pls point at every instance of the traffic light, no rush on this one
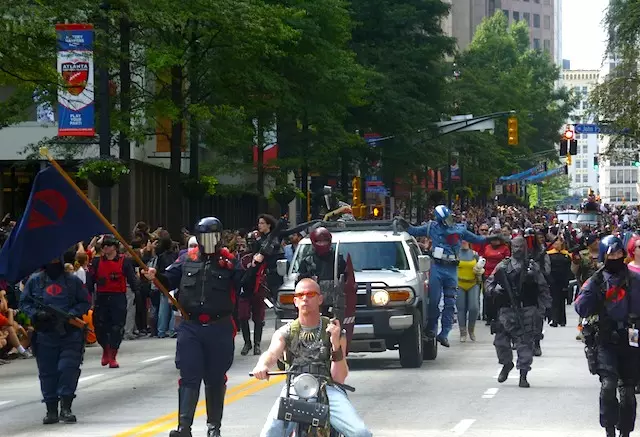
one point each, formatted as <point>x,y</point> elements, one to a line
<point>636,160</point>
<point>512,127</point>
<point>595,163</point>
<point>356,198</point>
<point>572,144</point>
<point>563,148</point>
<point>378,211</point>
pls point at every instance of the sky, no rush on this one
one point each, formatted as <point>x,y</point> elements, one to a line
<point>583,36</point>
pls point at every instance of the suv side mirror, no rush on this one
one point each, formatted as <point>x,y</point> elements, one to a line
<point>281,267</point>
<point>424,263</point>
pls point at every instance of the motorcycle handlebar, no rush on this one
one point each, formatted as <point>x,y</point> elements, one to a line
<point>285,372</point>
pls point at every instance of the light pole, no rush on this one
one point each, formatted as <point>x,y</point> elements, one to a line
<point>104,127</point>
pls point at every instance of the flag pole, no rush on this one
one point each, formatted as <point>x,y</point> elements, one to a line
<point>45,153</point>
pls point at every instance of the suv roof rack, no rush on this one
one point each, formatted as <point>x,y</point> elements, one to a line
<point>361,225</point>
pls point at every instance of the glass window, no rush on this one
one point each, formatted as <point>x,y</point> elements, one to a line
<point>516,16</point>
<point>547,2</point>
<point>585,163</point>
<point>612,177</point>
<point>577,178</point>
<point>536,21</point>
<point>547,45</point>
<point>578,163</point>
<point>627,176</point>
<point>546,22</point>
<point>620,176</point>
<point>526,17</point>
<point>383,255</point>
<point>634,176</point>
<point>536,43</point>
<point>585,149</point>
<point>585,178</point>
<point>506,13</point>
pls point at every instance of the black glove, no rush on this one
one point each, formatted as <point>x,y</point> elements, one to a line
<point>401,223</point>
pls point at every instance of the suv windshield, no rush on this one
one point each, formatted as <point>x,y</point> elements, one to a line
<point>377,255</point>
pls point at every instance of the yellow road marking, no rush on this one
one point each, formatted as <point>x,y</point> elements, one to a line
<point>168,421</point>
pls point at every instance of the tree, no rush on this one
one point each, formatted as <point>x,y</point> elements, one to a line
<point>550,192</point>
<point>498,72</point>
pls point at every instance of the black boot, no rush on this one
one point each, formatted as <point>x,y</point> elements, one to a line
<point>611,432</point>
<point>537,350</point>
<point>246,334</point>
<point>257,338</point>
<point>523,379</point>
<point>215,406</point>
<point>52,413</point>
<point>504,373</point>
<point>66,416</point>
<point>188,399</point>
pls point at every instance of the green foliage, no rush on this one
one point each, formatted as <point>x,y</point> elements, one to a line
<point>196,188</point>
<point>102,171</point>
<point>550,192</point>
<point>498,72</point>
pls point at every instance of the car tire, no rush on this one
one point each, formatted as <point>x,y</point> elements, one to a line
<point>430,348</point>
<point>411,344</point>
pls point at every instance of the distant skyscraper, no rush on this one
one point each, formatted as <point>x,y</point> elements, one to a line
<point>566,64</point>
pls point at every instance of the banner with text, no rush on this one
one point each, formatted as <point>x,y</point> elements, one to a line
<point>75,66</point>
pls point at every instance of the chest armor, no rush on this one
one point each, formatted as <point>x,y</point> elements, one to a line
<point>322,267</point>
<point>205,288</point>
<point>527,294</point>
<point>309,356</point>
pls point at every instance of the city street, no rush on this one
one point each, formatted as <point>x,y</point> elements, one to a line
<point>457,394</point>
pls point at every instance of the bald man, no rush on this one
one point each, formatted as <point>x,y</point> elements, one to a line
<point>312,343</point>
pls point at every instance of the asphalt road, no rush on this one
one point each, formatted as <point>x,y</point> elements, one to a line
<point>455,395</point>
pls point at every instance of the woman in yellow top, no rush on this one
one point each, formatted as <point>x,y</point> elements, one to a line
<point>469,274</point>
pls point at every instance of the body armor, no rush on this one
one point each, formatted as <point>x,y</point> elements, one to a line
<point>312,354</point>
<point>205,288</point>
<point>110,276</point>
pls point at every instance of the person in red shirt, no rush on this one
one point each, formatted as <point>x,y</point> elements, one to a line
<point>110,274</point>
<point>483,230</point>
<point>494,252</point>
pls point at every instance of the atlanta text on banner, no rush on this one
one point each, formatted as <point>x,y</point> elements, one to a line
<point>75,65</point>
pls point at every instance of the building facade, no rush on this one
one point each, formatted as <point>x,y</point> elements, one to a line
<point>583,174</point>
<point>543,16</point>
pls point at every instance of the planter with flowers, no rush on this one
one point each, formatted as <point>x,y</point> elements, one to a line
<point>103,171</point>
<point>197,188</point>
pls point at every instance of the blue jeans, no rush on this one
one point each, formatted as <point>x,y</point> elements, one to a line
<point>443,279</point>
<point>467,303</point>
<point>344,418</point>
<point>166,318</point>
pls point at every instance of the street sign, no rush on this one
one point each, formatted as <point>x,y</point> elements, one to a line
<point>597,129</point>
<point>377,190</point>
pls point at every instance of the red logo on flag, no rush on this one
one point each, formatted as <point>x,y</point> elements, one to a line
<point>46,203</point>
<point>75,76</point>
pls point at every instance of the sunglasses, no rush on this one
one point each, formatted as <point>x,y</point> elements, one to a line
<point>309,294</point>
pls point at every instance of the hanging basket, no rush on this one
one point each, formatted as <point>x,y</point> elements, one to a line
<point>104,172</point>
<point>197,188</point>
<point>285,194</point>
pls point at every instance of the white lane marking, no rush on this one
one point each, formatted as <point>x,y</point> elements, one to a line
<point>4,403</point>
<point>490,393</point>
<point>87,378</point>
<point>462,426</point>
<point>151,360</point>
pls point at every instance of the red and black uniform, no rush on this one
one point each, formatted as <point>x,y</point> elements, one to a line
<point>251,306</point>
<point>109,283</point>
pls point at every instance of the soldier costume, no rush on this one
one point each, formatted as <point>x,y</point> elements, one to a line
<point>585,264</point>
<point>206,278</point>
<point>519,291</point>
<point>611,301</point>
<point>539,255</point>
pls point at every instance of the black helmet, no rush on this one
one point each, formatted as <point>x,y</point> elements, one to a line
<point>209,232</point>
<point>610,244</point>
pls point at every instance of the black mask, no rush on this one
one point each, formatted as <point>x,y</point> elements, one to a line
<point>614,265</point>
<point>54,270</point>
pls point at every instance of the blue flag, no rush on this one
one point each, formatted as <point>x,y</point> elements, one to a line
<point>55,219</point>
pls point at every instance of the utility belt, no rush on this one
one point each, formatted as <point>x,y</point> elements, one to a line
<point>608,333</point>
<point>447,262</point>
<point>313,368</point>
<point>206,319</point>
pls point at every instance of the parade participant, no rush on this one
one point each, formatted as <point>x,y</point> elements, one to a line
<point>443,277</point>
<point>322,349</point>
<point>613,295</point>
<point>518,289</point>
<point>559,281</point>
<point>58,345</point>
<point>111,273</point>
<point>536,251</point>
<point>584,264</point>
<point>206,278</point>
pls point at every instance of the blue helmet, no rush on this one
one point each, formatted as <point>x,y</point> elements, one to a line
<point>610,244</point>
<point>443,215</point>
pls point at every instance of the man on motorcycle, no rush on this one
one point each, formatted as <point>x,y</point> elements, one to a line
<point>305,342</point>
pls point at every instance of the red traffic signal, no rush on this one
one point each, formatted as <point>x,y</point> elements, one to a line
<point>568,134</point>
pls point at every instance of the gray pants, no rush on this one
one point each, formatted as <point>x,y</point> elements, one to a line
<point>467,303</point>
<point>509,329</point>
<point>130,323</point>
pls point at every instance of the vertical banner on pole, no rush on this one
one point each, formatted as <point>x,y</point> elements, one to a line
<point>75,67</point>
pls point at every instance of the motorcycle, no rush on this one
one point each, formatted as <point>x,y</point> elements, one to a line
<point>307,405</point>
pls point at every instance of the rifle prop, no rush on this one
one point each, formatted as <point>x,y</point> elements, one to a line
<point>61,315</point>
<point>501,277</point>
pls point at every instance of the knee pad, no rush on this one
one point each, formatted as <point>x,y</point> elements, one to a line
<point>608,386</point>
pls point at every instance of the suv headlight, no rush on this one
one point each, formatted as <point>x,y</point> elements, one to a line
<point>306,386</point>
<point>392,297</point>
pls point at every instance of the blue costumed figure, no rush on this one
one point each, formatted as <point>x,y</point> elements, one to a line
<point>445,236</point>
